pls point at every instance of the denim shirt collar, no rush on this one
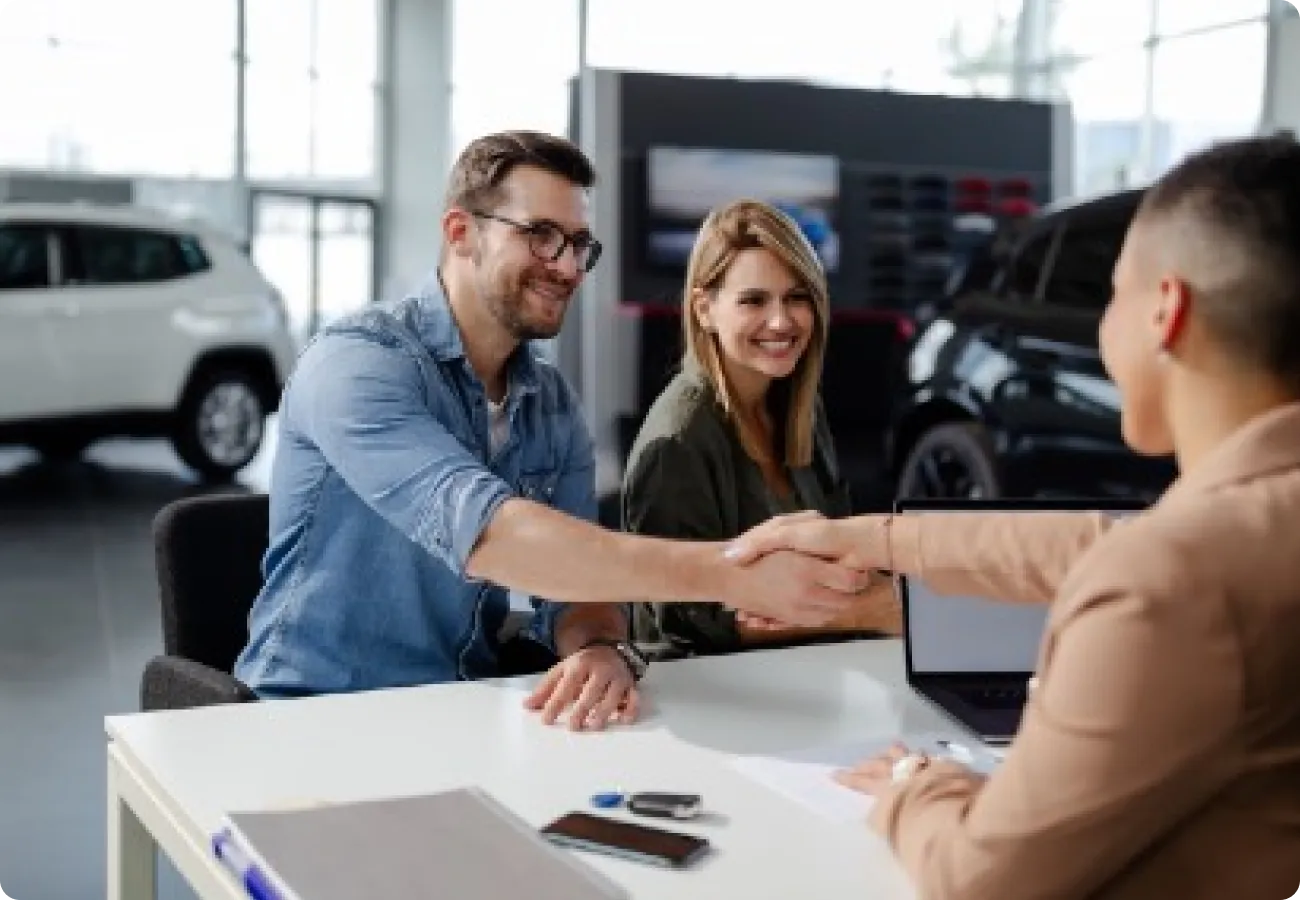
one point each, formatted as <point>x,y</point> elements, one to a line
<point>440,335</point>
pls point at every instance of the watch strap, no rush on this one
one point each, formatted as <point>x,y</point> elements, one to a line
<point>632,658</point>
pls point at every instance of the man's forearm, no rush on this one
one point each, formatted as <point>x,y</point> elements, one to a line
<point>1012,556</point>
<point>536,550</point>
<point>579,625</point>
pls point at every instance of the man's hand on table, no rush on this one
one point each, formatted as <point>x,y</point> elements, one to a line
<point>590,688</point>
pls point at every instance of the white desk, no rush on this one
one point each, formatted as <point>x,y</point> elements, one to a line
<point>172,775</point>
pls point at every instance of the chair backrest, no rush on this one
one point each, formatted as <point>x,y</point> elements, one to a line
<point>208,551</point>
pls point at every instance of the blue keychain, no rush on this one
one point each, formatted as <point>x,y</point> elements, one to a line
<point>658,805</point>
<point>608,800</point>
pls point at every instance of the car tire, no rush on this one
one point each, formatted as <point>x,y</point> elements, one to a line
<point>220,424</point>
<point>954,460</point>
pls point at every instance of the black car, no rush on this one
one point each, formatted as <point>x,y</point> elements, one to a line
<point>1005,393</point>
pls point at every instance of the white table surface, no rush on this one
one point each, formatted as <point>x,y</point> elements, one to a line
<point>181,771</point>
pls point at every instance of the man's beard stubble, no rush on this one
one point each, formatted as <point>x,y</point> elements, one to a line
<point>508,306</point>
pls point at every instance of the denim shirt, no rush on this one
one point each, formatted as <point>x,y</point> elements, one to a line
<point>382,483</point>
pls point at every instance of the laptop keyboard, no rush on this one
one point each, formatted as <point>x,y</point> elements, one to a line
<point>1010,696</point>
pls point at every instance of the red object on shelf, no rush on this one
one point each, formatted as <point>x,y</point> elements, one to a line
<point>1017,207</point>
<point>974,185</point>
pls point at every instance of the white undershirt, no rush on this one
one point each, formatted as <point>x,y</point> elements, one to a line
<point>498,425</point>
<point>498,431</point>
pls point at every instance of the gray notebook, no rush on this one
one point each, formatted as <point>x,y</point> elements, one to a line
<point>460,844</point>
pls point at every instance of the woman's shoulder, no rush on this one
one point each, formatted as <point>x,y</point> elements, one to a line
<point>686,408</point>
<point>685,415</point>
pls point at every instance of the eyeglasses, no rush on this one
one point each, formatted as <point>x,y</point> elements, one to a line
<point>548,241</point>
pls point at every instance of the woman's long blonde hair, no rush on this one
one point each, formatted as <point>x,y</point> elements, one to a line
<point>729,229</point>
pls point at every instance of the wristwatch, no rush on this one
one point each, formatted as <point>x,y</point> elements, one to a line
<point>636,663</point>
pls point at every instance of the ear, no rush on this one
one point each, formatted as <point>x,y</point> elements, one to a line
<point>1171,312</point>
<point>457,231</point>
<point>700,307</point>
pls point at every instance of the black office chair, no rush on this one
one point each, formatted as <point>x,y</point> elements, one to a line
<point>208,552</point>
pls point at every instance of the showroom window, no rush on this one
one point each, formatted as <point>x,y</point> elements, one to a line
<point>958,47</point>
<point>1178,16</point>
<point>312,89</point>
<point>1206,87</point>
<point>1152,80</point>
<point>24,257</point>
<point>107,106</point>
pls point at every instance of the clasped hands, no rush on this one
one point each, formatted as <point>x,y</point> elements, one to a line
<point>801,570</point>
<point>812,572</point>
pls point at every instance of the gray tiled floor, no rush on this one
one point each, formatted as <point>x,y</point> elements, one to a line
<point>78,618</point>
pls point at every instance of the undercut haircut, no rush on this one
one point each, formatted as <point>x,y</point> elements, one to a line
<point>1233,215</point>
<point>476,176</point>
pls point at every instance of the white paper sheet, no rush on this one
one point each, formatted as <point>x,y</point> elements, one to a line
<point>806,776</point>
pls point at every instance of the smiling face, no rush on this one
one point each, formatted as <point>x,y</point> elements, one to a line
<point>762,318</point>
<point>527,293</point>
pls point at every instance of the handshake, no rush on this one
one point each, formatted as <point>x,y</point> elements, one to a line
<point>805,570</point>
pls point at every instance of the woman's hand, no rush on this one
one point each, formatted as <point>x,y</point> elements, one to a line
<point>877,608</point>
<point>875,775</point>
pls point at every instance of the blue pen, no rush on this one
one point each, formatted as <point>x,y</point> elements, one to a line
<point>259,887</point>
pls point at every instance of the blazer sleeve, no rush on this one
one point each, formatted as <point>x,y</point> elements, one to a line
<point>1018,557</point>
<point>672,492</point>
<point>1131,728</point>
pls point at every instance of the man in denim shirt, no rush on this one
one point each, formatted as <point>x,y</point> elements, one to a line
<point>429,461</point>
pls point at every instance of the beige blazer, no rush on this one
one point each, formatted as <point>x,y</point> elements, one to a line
<point>1159,754</point>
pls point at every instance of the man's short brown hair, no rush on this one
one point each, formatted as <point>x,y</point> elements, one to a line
<point>476,177</point>
<point>1231,216</point>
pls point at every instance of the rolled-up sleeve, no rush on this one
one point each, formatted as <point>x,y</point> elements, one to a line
<point>575,494</point>
<point>371,422</point>
<point>1130,729</point>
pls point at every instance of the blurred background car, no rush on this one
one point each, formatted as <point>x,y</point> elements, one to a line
<point>120,321</point>
<point>1005,392</point>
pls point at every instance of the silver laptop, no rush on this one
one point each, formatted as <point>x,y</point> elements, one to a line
<point>972,657</point>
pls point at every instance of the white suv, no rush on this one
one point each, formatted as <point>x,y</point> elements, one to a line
<point>120,321</point>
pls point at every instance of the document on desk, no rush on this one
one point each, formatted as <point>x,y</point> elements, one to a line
<point>460,843</point>
<point>807,776</point>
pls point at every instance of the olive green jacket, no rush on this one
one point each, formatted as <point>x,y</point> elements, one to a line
<point>688,477</point>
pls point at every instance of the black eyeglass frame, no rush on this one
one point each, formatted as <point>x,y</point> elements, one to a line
<point>536,232</point>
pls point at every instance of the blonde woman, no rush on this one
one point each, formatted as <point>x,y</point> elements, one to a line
<point>739,435</point>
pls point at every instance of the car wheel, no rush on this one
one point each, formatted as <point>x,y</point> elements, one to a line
<point>220,425</point>
<point>954,460</point>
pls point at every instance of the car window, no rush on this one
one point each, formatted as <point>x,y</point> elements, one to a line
<point>1025,269</point>
<point>24,257</point>
<point>193,259</point>
<point>1081,277</point>
<point>129,255</point>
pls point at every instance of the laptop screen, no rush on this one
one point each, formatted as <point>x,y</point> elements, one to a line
<point>952,635</point>
<point>947,634</point>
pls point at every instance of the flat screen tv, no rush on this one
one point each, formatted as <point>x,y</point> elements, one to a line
<point>684,184</point>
